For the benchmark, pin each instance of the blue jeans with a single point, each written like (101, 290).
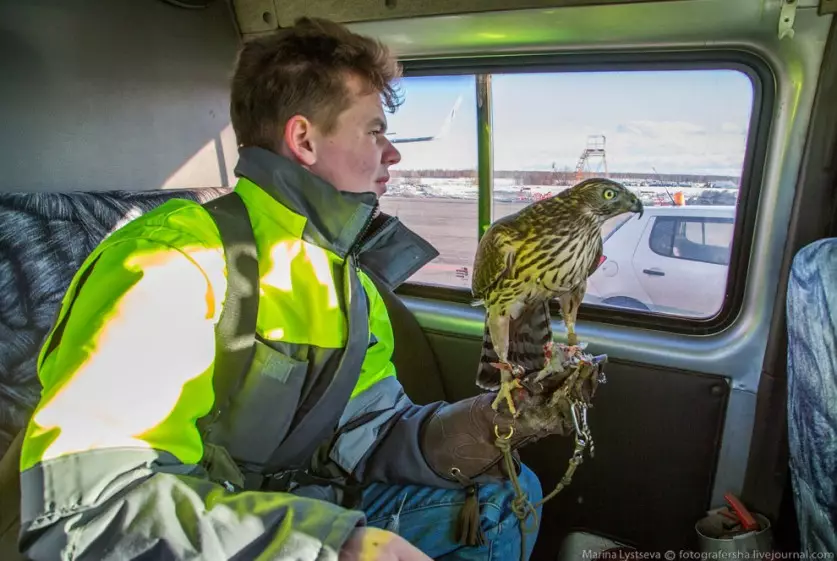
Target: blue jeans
(428, 518)
(812, 393)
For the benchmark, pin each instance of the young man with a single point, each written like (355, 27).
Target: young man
(114, 462)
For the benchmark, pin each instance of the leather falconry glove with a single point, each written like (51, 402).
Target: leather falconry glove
(460, 441)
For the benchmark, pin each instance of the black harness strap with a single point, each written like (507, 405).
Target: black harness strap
(235, 347)
(235, 334)
(326, 472)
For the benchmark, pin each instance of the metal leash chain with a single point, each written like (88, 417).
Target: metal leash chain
(521, 506)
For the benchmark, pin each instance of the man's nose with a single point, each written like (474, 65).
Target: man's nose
(391, 155)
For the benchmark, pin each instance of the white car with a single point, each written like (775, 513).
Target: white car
(672, 260)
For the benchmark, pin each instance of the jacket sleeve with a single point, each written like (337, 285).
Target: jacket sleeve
(385, 447)
(380, 429)
(109, 467)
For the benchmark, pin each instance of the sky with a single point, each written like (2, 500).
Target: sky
(692, 122)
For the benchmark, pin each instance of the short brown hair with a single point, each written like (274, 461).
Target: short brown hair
(301, 70)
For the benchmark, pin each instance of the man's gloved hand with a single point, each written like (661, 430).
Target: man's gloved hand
(458, 442)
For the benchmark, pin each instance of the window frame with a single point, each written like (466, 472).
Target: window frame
(752, 173)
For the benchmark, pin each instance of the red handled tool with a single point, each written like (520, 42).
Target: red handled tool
(747, 520)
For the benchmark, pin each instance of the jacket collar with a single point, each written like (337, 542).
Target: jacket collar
(338, 221)
(334, 219)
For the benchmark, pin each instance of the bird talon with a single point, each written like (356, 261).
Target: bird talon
(504, 393)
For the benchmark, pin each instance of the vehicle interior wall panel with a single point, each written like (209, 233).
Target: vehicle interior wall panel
(115, 94)
(657, 434)
(650, 479)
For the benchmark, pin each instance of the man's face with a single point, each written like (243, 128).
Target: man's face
(355, 156)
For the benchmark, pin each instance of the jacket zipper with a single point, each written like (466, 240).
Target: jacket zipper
(355, 252)
(361, 238)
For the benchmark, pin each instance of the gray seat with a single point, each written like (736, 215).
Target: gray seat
(812, 393)
(414, 359)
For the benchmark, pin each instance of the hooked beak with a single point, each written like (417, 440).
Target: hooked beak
(637, 206)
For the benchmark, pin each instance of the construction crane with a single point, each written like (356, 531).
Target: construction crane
(595, 149)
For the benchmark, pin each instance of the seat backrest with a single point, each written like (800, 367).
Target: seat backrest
(414, 359)
(812, 393)
(10, 500)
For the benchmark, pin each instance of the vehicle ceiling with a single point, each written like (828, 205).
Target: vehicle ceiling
(263, 15)
(443, 28)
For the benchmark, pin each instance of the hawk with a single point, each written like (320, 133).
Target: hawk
(546, 250)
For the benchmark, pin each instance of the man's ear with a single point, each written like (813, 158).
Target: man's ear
(299, 140)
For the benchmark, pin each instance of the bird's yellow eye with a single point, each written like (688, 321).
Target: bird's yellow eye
(609, 194)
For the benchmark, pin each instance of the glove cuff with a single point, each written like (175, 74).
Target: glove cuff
(459, 442)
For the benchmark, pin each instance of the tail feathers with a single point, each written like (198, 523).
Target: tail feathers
(527, 337)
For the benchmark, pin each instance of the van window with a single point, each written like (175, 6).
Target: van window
(433, 190)
(673, 137)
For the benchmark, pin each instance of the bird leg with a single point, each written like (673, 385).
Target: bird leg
(570, 302)
(508, 382)
(569, 321)
(509, 373)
